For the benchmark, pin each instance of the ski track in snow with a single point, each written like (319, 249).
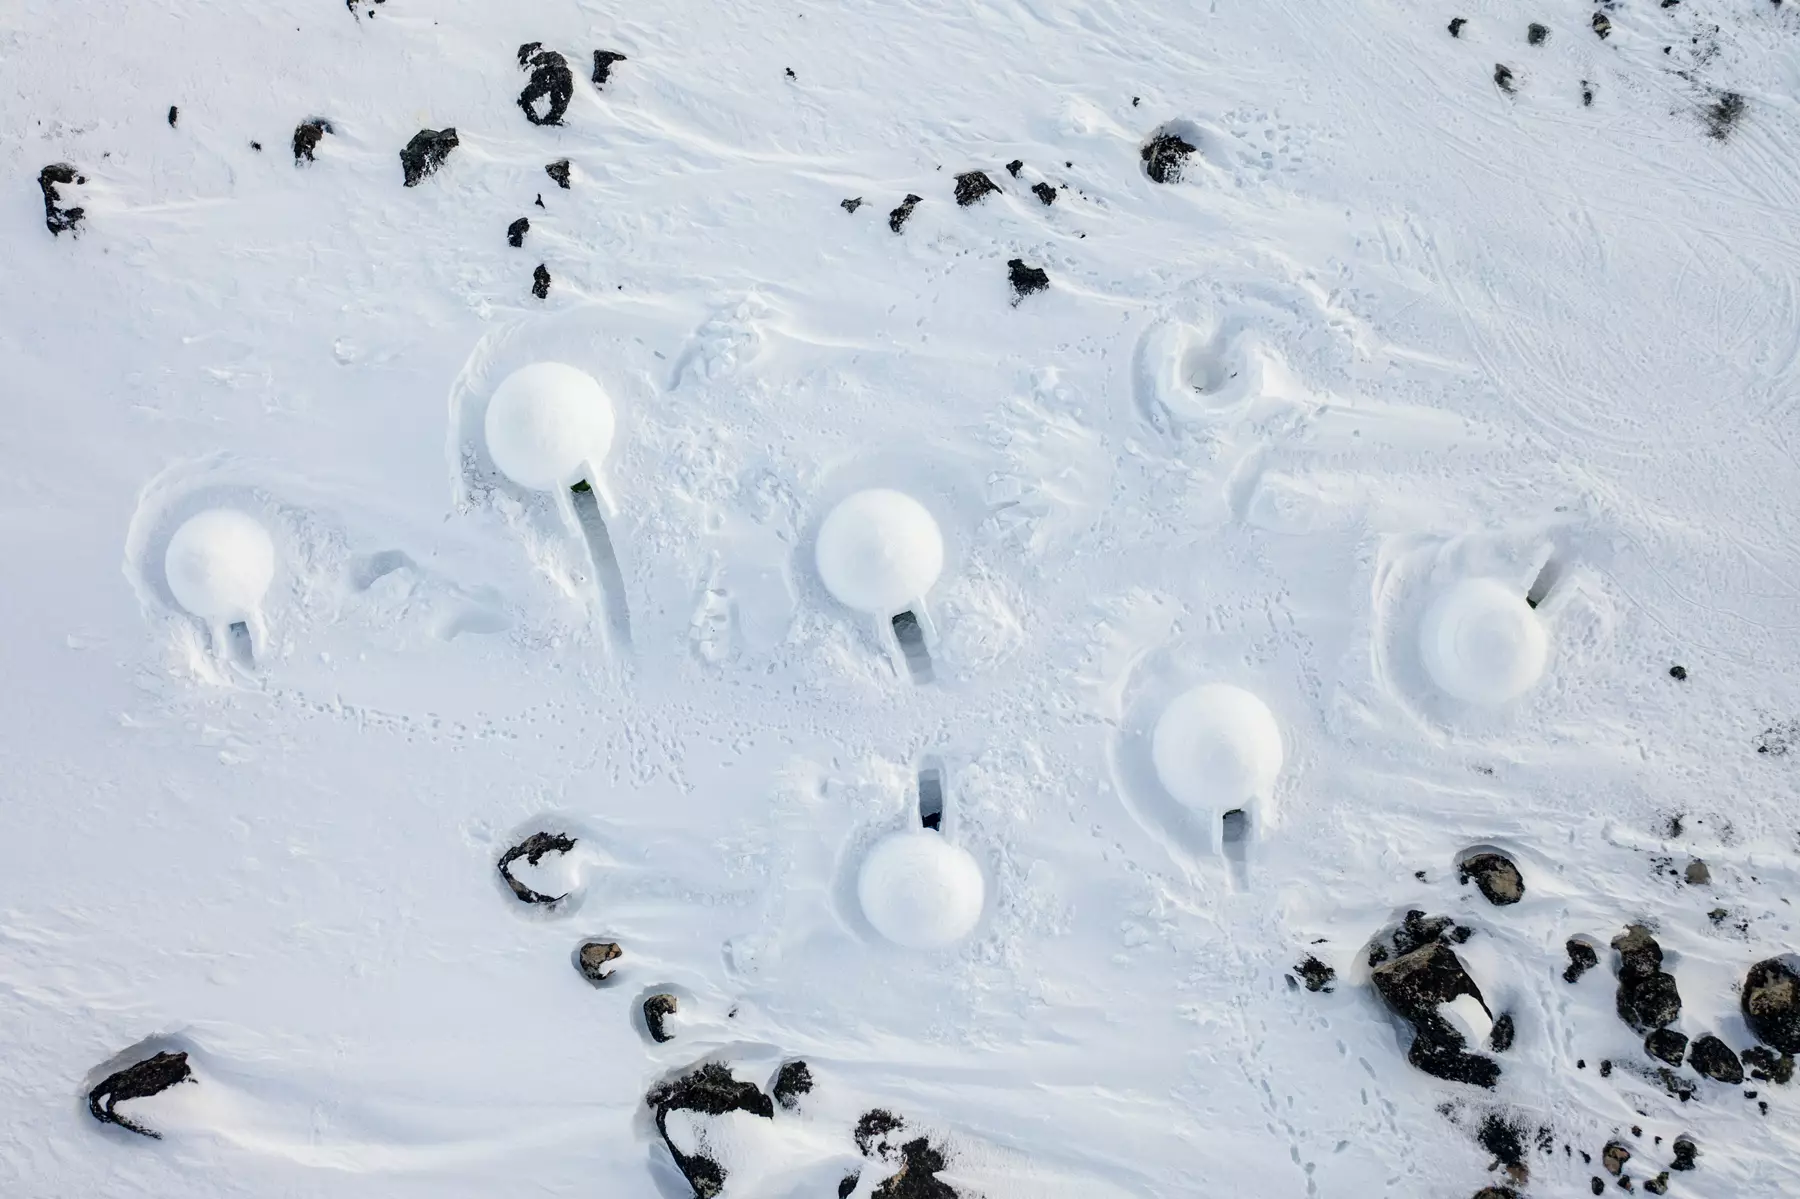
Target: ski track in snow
(1393, 328)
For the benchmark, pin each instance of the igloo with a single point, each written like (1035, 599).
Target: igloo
(879, 552)
(1217, 749)
(920, 891)
(548, 425)
(219, 565)
(1481, 642)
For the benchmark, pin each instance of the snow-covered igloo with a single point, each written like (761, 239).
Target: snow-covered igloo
(1217, 749)
(879, 551)
(549, 425)
(1482, 643)
(219, 565)
(920, 891)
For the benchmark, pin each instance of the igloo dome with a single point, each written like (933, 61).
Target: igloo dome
(1481, 642)
(1217, 747)
(920, 891)
(219, 564)
(879, 551)
(547, 425)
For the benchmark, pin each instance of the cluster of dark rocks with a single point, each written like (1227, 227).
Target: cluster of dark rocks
(972, 187)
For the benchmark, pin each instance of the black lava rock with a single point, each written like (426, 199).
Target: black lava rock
(603, 65)
(515, 232)
(1503, 78)
(58, 219)
(1685, 1153)
(1597, 1185)
(872, 1129)
(1044, 192)
(793, 1080)
(152, 1076)
(426, 152)
(920, 1162)
(1496, 1193)
(1537, 34)
(307, 135)
(559, 171)
(1766, 1066)
(540, 282)
(657, 1010)
(847, 1184)
(551, 80)
(851, 205)
(898, 217)
(972, 186)
(1647, 996)
(1678, 673)
(1582, 958)
(1025, 279)
(1496, 875)
(1315, 974)
(1413, 986)
(534, 847)
(1602, 24)
(1658, 1185)
(1507, 1141)
(710, 1091)
(1164, 156)
(1504, 1032)
(593, 957)
(1723, 114)
(1456, 26)
(1714, 1059)
(174, 115)
(1015, 166)
(1666, 1044)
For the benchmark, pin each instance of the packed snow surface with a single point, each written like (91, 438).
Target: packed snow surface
(921, 891)
(1217, 747)
(219, 564)
(1482, 643)
(879, 550)
(1395, 319)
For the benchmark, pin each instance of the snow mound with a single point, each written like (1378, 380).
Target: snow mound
(920, 891)
(1482, 643)
(879, 551)
(1217, 747)
(548, 425)
(219, 564)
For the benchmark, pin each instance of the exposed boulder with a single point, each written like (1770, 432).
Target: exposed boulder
(972, 186)
(897, 218)
(152, 1076)
(1647, 997)
(603, 65)
(1771, 1004)
(551, 83)
(593, 959)
(657, 1010)
(426, 152)
(1414, 985)
(307, 135)
(559, 171)
(793, 1080)
(533, 849)
(710, 1091)
(1496, 875)
(1667, 1045)
(1165, 155)
(57, 218)
(1714, 1059)
(1582, 958)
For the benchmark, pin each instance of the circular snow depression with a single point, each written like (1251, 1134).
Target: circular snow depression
(1216, 748)
(219, 564)
(879, 552)
(1481, 643)
(548, 425)
(920, 891)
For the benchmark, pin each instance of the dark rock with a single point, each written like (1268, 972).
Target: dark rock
(1496, 875)
(58, 219)
(1602, 24)
(1678, 672)
(1647, 997)
(257, 146)
(540, 200)
(851, 205)
(972, 186)
(1015, 166)
(559, 171)
(593, 957)
(1771, 1004)
(1587, 94)
(534, 847)
(1677, 1086)
(1316, 974)
(1413, 986)
(307, 135)
(790, 72)
(710, 1091)
(603, 65)
(1714, 1059)
(174, 115)
(1503, 78)
(1536, 34)
(1766, 1066)
(847, 1184)
(1685, 1153)
(425, 153)
(1597, 1186)
(1605, 1068)
(1582, 958)
(1026, 280)
(540, 282)
(872, 1131)
(1666, 1044)
(1614, 1157)
(1164, 156)
(897, 218)
(1698, 873)
(1658, 1185)
(793, 1080)
(551, 81)
(1044, 192)
(1456, 26)
(1723, 114)
(920, 1162)
(1506, 1141)
(152, 1076)
(1496, 1193)
(657, 1010)
(515, 232)
(1502, 1035)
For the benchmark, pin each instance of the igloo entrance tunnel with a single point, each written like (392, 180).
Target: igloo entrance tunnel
(920, 891)
(1217, 750)
(1481, 643)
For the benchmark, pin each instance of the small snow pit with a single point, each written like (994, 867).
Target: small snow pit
(920, 891)
(219, 565)
(879, 552)
(1482, 644)
(548, 426)
(1216, 748)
